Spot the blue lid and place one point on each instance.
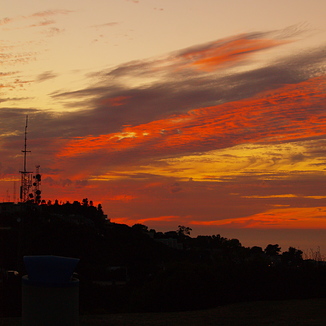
(50, 269)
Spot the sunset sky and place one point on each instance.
(209, 114)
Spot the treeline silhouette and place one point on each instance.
(129, 269)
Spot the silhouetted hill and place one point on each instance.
(130, 269)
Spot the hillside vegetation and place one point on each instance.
(133, 269)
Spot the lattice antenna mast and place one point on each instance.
(26, 176)
(36, 186)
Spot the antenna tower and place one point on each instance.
(36, 185)
(26, 176)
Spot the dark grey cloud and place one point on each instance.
(46, 75)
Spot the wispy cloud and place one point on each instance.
(46, 75)
(110, 24)
(48, 13)
(11, 58)
(226, 52)
(278, 218)
(264, 118)
(227, 121)
(53, 31)
(5, 21)
(36, 15)
(43, 23)
(5, 74)
(14, 99)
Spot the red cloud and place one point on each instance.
(288, 113)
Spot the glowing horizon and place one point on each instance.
(167, 116)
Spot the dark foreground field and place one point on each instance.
(291, 312)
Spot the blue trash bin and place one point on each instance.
(50, 295)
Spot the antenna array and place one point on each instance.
(26, 176)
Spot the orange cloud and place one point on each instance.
(131, 221)
(279, 218)
(227, 51)
(5, 21)
(288, 113)
(284, 196)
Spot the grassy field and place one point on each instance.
(293, 312)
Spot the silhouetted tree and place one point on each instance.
(183, 231)
(292, 257)
(85, 202)
(140, 227)
(256, 250)
(99, 208)
(272, 250)
(171, 234)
